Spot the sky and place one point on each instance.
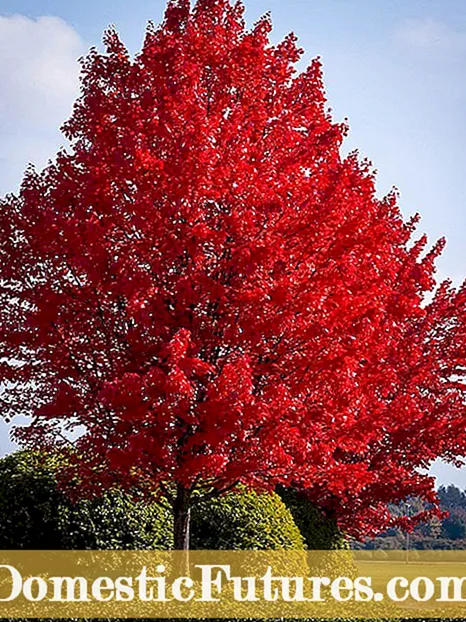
(394, 68)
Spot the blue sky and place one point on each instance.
(394, 68)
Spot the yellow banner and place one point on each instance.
(233, 584)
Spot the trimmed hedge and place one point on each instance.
(245, 520)
(30, 504)
(35, 514)
(319, 532)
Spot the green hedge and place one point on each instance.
(245, 520)
(319, 532)
(35, 514)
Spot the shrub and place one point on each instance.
(245, 520)
(319, 532)
(116, 521)
(35, 514)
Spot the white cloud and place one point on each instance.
(430, 35)
(39, 82)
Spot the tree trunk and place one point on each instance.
(181, 526)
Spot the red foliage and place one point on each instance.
(213, 294)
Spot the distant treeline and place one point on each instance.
(449, 533)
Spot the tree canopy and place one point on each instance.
(201, 291)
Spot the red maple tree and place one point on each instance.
(209, 293)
